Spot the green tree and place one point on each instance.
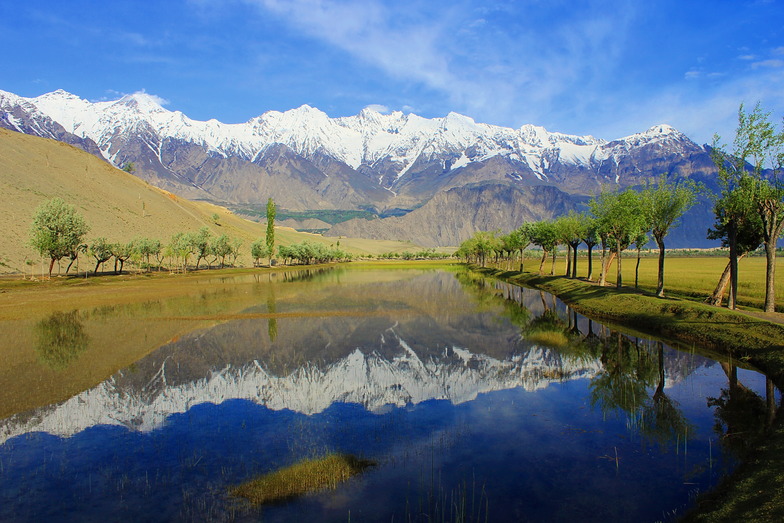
(271, 228)
(639, 242)
(200, 243)
(545, 235)
(590, 238)
(221, 247)
(147, 248)
(101, 250)
(74, 256)
(748, 237)
(571, 231)
(235, 249)
(765, 148)
(258, 250)
(181, 248)
(620, 216)
(121, 252)
(663, 204)
(522, 239)
(746, 191)
(57, 230)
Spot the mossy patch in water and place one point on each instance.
(301, 478)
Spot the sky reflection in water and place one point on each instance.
(476, 398)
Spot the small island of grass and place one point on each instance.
(311, 475)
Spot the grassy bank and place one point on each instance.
(685, 276)
(753, 492)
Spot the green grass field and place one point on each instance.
(684, 276)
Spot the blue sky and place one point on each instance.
(606, 68)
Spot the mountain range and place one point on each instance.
(432, 181)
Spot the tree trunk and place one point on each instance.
(732, 240)
(51, 266)
(555, 255)
(770, 276)
(568, 260)
(590, 263)
(603, 273)
(541, 264)
(619, 279)
(522, 258)
(660, 277)
(772, 224)
(606, 268)
(770, 401)
(637, 270)
(574, 261)
(718, 293)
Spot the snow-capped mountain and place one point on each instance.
(307, 160)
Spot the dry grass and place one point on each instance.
(554, 339)
(115, 204)
(307, 476)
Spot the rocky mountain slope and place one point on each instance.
(116, 205)
(389, 163)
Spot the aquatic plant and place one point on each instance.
(301, 478)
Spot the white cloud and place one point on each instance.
(768, 63)
(698, 112)
(112, 94)
(154, 97)
(383, 109)
(485, 70)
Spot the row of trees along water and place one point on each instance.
(58, 233)
(749, 213)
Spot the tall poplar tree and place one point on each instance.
(270, 228)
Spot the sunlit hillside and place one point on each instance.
(115, 204)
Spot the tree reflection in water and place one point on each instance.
(741, 415)
(632, 380)
(60, 339)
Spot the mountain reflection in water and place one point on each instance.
(423, 355)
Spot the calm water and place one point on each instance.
(477, 399)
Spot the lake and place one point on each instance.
(476, 400)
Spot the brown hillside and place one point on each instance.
(115, 204)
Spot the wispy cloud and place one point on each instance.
(154, 97)
(773, 62)
(481, 67)
(383, 109)
(699, 112)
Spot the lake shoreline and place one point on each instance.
(752, 492)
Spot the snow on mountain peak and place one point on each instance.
(143, 102)
(365, 138)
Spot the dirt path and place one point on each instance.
(775, 317)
